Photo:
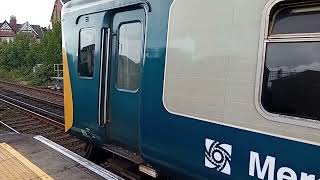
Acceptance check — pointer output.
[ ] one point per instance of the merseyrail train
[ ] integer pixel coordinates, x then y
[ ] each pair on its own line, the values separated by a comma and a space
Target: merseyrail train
191, 89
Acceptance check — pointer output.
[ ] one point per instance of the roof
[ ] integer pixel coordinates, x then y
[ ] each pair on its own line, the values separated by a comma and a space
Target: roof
36, 28
5, 21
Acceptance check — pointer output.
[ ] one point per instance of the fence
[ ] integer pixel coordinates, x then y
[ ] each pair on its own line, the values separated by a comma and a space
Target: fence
58, 70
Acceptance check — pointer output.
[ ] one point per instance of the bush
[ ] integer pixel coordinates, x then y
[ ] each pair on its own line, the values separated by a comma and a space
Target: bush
43, 74
17, 58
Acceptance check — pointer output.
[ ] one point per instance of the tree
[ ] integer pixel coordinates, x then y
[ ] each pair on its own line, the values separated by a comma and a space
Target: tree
51, 45
21, 55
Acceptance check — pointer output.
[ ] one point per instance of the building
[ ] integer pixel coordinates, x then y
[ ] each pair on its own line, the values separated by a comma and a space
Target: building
56, 13
9, 30
296, 91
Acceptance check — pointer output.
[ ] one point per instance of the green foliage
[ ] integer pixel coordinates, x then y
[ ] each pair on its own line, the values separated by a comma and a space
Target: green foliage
42, 75
51, 45
18, 57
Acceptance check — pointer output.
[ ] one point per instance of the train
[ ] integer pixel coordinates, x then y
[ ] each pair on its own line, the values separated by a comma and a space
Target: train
189, 89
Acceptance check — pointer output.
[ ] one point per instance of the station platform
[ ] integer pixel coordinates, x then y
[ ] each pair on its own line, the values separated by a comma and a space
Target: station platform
35, 157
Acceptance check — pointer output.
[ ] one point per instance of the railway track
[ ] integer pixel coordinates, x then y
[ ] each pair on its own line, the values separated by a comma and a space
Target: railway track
21, 112
34, 104
30, 114
16, 118
19, 120
49, 95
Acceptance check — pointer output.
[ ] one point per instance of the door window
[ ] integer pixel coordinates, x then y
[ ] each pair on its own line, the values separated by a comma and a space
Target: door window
87, 50
129, 56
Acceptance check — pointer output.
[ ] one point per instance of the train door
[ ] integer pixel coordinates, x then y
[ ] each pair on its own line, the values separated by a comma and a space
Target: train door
85, 74
127, 42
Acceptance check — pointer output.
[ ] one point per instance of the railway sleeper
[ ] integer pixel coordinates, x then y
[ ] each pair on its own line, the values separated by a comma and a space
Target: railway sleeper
62, 141
8, 113
18, 119
61, 137
70, 141
52, 124
80, 146
20, 123
29, 127
53, 133
36, 99
30, 131
23, 126
41, 130
77, 147
44, 133
23, 123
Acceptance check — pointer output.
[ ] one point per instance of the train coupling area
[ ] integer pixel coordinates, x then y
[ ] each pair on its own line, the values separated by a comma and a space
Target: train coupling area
35, 157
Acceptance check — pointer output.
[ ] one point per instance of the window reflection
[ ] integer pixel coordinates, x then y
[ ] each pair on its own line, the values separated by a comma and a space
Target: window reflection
297, 20
87, 50
129, 56
292, 79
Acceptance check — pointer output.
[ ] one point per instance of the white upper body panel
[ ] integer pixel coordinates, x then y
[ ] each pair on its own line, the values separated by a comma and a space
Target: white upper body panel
213, 66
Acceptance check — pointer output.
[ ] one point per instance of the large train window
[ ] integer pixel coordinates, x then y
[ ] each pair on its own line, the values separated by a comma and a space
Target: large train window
86, 55
291, 79
129, 56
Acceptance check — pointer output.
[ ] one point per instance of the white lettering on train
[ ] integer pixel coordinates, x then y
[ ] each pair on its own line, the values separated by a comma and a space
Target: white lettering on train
267, 171
267, 166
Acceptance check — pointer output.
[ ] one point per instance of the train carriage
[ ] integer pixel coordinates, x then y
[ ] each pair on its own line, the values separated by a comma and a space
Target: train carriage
197, 89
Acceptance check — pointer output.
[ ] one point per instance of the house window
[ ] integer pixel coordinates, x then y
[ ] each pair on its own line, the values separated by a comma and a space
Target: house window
291, 79
87, 53
129, 56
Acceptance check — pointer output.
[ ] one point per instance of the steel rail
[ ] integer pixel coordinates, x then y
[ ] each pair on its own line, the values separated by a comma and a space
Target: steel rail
35, 98
58, 119
32, 88
59, 147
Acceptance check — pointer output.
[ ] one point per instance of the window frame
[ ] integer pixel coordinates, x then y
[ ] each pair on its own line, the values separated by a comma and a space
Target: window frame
265, 38
141, 55
290, 35
79, 50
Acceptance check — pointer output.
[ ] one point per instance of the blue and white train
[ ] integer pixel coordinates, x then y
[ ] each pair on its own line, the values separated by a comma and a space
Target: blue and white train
197, 89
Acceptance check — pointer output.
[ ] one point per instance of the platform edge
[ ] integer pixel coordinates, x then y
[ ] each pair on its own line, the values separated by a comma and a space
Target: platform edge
82, 161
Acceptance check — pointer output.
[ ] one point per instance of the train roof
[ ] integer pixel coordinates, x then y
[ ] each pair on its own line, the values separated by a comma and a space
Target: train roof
72, 3
88, 6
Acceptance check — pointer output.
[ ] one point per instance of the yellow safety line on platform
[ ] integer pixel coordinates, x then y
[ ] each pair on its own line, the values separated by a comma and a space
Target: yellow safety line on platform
35, 169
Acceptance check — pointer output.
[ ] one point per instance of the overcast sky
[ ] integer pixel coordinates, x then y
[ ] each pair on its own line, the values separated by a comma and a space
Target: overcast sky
36, 12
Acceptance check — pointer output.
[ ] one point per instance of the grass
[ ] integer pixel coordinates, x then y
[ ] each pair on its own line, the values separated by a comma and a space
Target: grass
24, 76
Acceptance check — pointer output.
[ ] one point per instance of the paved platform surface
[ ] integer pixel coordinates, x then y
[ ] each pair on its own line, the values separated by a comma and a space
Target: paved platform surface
25, 157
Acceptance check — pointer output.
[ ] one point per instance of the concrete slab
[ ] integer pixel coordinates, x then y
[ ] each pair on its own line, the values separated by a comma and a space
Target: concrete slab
28, 157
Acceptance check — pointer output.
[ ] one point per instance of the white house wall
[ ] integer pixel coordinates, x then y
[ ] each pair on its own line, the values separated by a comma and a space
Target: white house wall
5, 26
27, 28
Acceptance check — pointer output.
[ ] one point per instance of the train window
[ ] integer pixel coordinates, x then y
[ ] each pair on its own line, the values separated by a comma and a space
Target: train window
291, 79
296, 20
129, 56
87, 51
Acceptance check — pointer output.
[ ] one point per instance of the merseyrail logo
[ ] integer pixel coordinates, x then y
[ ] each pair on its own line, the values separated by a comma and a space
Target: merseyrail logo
218, 156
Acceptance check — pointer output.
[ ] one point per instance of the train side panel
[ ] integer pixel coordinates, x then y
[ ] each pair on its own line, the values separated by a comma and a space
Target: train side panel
200, 115
208, 101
